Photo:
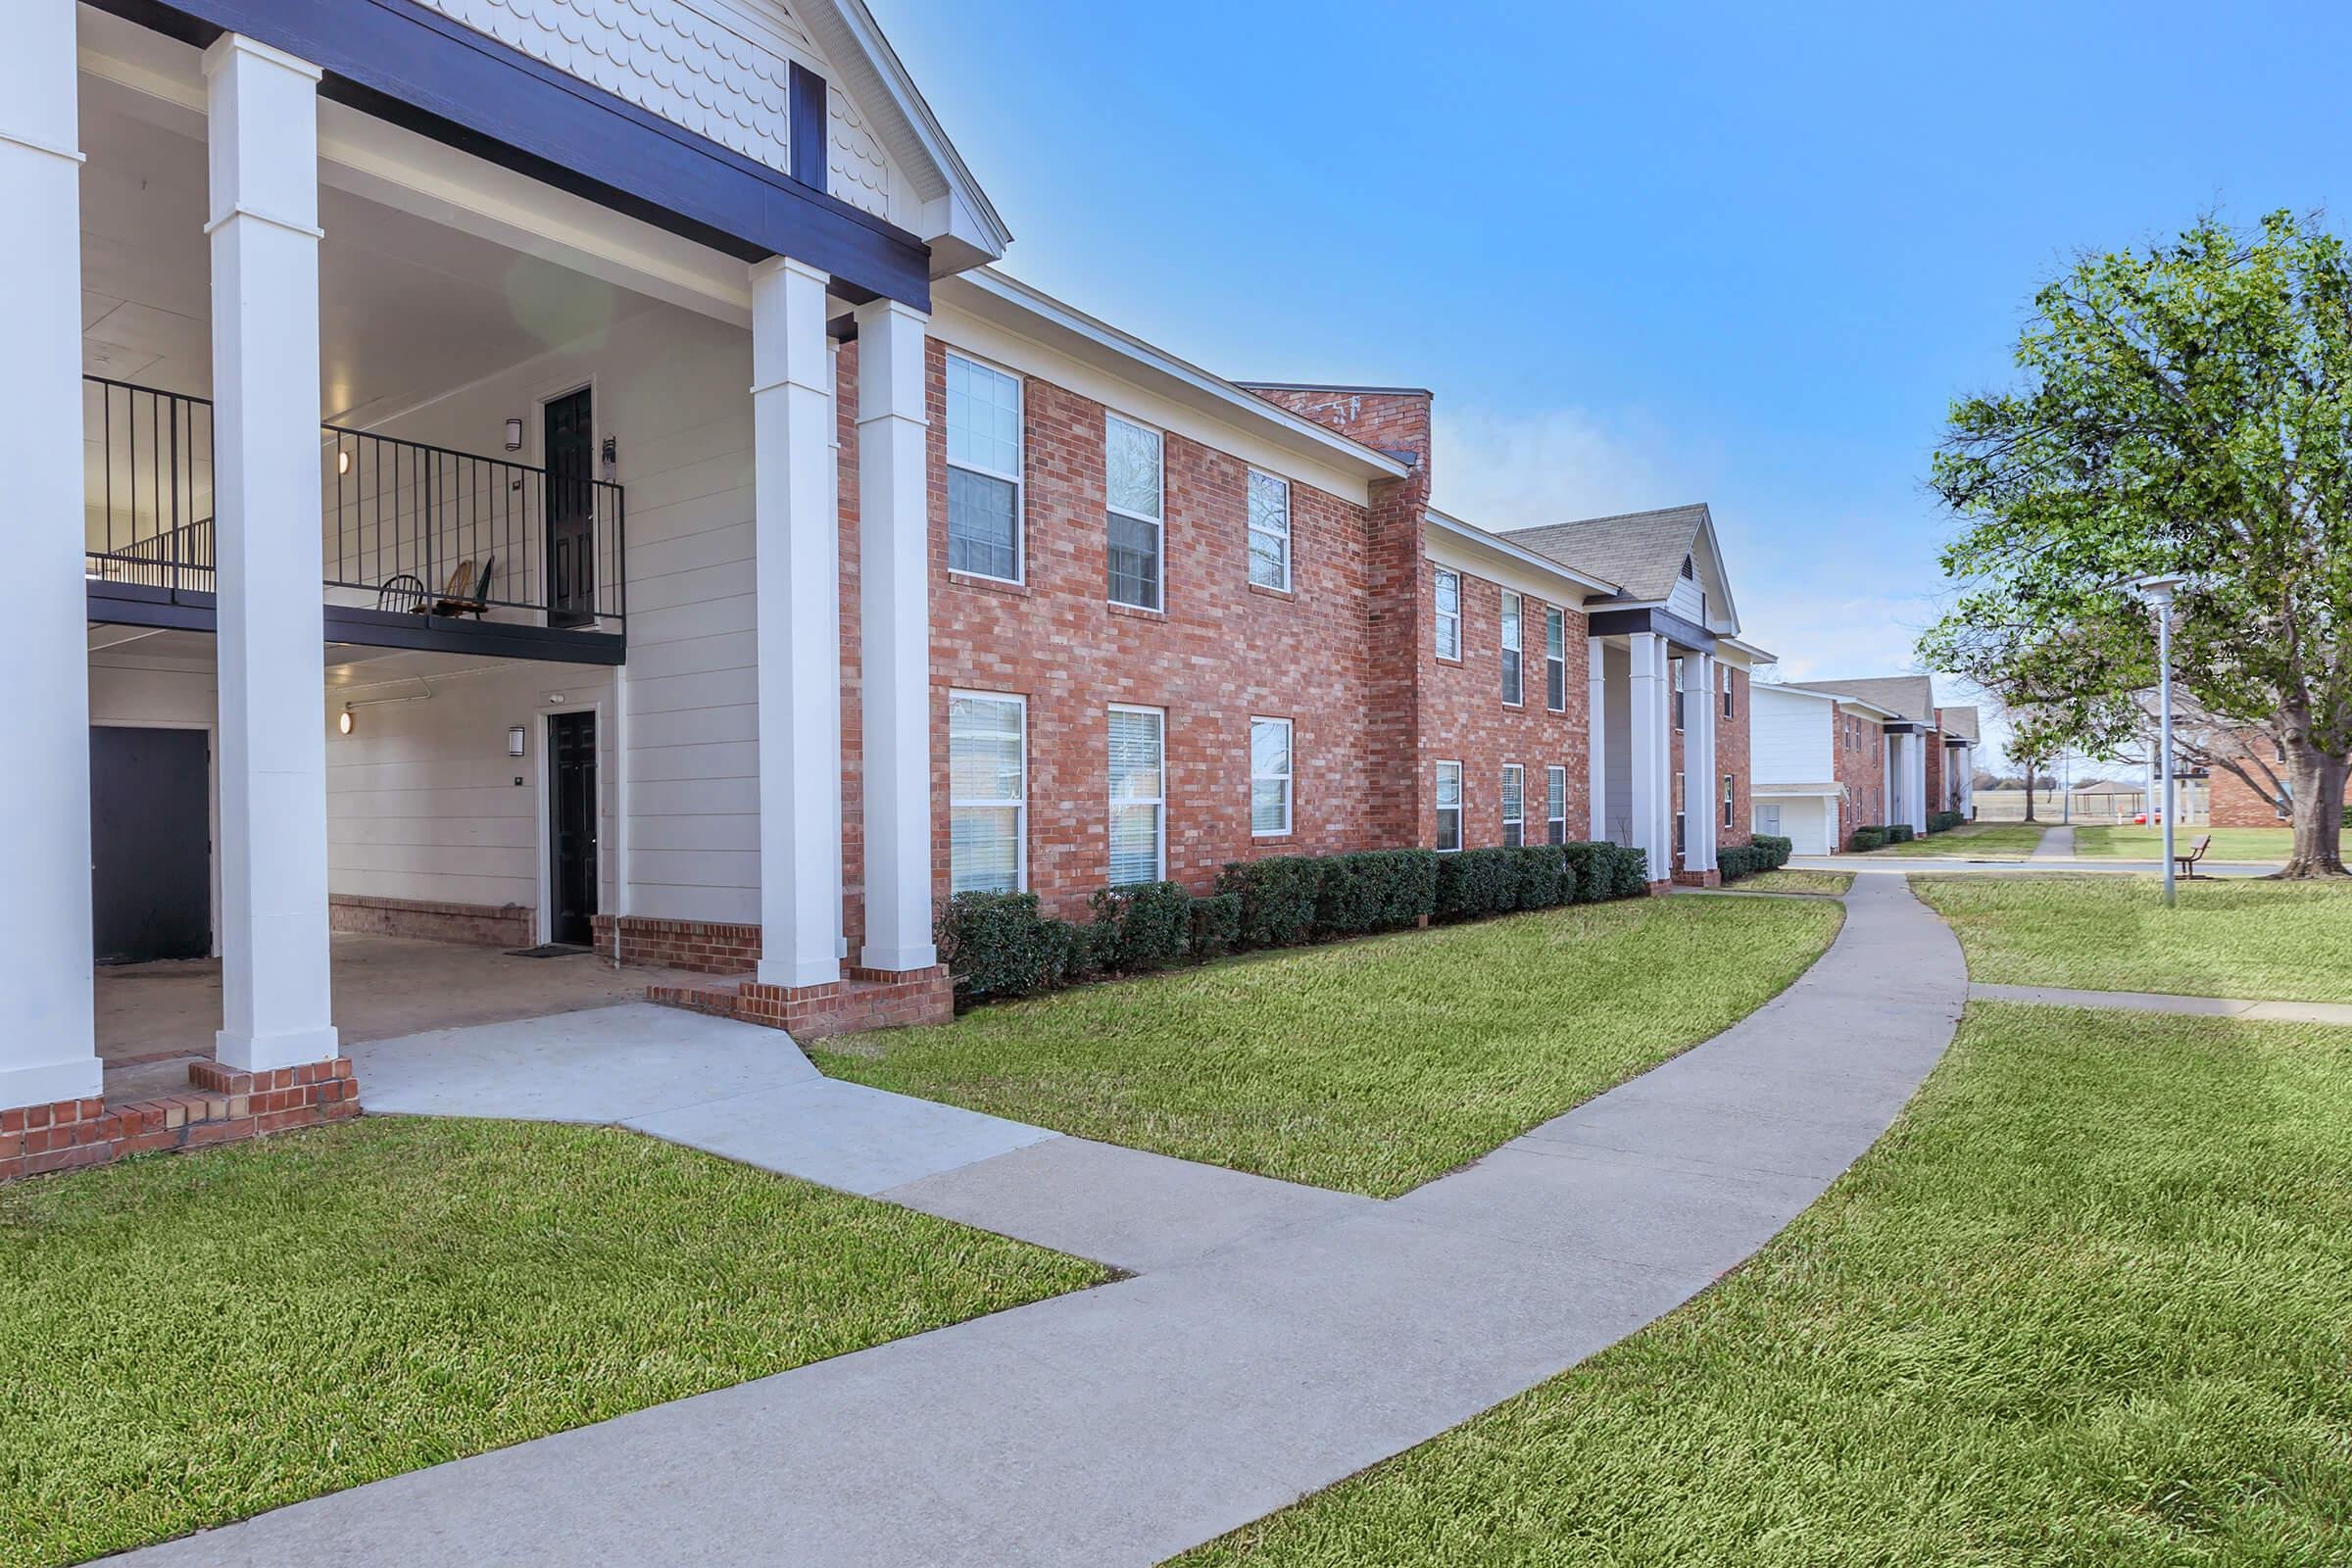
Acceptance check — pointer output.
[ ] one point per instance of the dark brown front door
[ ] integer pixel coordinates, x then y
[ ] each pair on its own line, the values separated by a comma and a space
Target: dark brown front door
151, 851
571, 827
571, 433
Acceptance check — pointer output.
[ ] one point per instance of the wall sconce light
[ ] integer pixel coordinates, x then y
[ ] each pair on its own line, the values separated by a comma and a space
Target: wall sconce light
342, 461
515, 740
344, 721
514, 435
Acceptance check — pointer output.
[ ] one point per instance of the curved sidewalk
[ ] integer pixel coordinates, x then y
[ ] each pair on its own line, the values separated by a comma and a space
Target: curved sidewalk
1277, 1340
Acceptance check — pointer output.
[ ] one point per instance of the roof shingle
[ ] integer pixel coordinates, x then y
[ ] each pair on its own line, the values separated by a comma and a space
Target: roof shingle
1642, 551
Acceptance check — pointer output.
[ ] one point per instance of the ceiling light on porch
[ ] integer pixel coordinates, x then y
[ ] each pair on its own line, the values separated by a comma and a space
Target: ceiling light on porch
343, 460
344, 721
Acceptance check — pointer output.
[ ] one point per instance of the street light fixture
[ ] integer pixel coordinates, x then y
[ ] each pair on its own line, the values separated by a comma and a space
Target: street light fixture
2159, 592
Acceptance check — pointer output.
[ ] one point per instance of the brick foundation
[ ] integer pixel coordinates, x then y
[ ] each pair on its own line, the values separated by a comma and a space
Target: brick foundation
220, 1106
506, 925
867, 999
698, 947
1698, 879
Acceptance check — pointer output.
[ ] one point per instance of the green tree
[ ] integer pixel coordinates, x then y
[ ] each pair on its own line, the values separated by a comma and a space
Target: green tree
2187, 409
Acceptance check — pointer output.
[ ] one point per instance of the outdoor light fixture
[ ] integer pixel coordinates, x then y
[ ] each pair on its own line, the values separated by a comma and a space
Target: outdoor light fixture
514, 435
342, 461
2159, 592
515, 740
344, 719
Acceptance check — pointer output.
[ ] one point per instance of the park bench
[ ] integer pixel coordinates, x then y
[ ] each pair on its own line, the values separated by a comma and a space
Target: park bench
2187, 858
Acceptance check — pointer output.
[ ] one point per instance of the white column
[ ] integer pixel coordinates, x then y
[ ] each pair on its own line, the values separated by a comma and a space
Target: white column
1652, 741
1701, 795
1596, 739
47, 1049
894, 618
796, 537
263, 132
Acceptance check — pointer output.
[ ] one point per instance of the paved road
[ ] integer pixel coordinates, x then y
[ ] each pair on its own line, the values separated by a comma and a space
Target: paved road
1274, 1340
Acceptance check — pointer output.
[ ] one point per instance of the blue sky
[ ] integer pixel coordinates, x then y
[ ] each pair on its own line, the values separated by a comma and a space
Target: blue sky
1643, 254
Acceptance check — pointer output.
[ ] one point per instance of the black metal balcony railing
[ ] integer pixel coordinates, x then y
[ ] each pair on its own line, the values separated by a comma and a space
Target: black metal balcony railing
405, 526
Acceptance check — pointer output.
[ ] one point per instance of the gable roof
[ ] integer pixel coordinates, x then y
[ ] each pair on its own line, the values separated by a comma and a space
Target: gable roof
1961, 722
1643, 550
1911, 697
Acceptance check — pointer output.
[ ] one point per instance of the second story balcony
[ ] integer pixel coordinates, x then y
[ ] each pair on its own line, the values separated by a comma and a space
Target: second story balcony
422, 546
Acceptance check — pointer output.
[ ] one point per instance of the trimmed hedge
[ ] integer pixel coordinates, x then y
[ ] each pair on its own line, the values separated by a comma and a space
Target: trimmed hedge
1003, 944
1945, 821
1376, 890
1899, 833
1865, 839
1776, 848
1736, 860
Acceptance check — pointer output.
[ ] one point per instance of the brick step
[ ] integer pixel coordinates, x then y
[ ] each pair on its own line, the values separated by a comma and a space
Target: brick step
220, 1105
865, 999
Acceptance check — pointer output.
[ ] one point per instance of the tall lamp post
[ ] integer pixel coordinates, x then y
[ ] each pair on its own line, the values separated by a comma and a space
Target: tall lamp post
2159, 591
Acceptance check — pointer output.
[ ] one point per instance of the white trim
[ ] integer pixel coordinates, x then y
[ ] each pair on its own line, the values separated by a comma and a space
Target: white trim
1159, 523
1159, 802
1020, 807
1552, 771
35, 144
1511, 611
1018, 478
1440, 616
1555, 615
1289, 778
1549, 570
1514, 771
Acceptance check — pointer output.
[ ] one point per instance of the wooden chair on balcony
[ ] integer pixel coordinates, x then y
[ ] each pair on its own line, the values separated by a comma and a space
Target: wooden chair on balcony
467, 593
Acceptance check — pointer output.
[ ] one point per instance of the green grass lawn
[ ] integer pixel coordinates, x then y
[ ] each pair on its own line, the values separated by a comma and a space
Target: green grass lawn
1372, 1065
1787, 881
1974, 841
2284, 941
2147, 842
192, 1338
2087, 1303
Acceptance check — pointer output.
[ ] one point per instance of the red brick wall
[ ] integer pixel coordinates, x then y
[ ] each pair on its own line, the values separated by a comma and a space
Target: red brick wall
1730, 756
2234, 805
1222, 652
1934, 771
1863, 772
1464, 719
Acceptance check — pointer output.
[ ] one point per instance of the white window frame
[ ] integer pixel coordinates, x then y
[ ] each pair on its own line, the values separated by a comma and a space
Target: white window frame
1555, 620
1159, 867
1288, 777
1019, 804
1020, 488
1678, 699
1515, 782
1439, 795
1160, 524
1512, 618
1728, 793
1727, 691
1555, 788
1447, 620
1286, 534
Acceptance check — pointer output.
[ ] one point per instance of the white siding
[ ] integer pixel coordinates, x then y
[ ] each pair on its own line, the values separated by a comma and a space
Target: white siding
1804, 820
1789, 736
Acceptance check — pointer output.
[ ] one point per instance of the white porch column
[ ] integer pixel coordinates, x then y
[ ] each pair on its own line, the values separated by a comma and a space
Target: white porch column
47, 1050
1702, 799
797, 539
893, 603
1652, 741
263, 133
1596, 738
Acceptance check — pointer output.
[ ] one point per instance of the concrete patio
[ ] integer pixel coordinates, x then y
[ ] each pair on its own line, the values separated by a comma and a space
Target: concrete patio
154, 1018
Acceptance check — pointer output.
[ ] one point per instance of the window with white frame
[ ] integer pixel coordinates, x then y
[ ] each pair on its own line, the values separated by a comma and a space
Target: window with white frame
1269, 777
1514, 805
1727, 799
1131, 458
1450, 613
1555, 660
1511, 692
1450, 806
1138, 799
1677, 694
1269, 531
1556, 805
1726, 670
988, 792
984, 470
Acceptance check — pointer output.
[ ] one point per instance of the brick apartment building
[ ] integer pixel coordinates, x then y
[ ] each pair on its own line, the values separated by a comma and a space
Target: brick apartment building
1835, 756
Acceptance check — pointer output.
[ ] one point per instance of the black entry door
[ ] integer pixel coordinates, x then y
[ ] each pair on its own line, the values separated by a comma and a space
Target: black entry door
570, 510
571, 826
151, 851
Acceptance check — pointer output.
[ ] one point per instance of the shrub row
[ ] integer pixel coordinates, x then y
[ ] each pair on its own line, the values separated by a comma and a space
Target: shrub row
1865, 839
1945, 821
1002, 945
1766, 852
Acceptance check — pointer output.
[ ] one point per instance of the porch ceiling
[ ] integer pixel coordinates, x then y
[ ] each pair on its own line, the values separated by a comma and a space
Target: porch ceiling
350, 667
409, 309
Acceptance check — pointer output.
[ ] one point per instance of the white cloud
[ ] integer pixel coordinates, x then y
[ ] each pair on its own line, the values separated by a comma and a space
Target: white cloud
1523, 469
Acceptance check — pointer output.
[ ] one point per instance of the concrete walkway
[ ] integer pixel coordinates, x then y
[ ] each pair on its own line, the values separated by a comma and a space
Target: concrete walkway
1275, 1339
2164, 1001
2057, 844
